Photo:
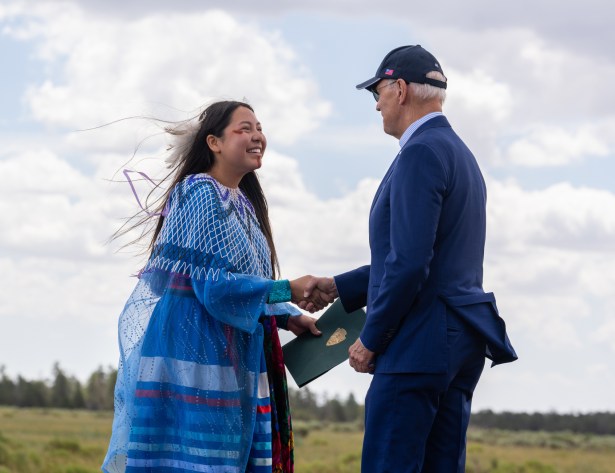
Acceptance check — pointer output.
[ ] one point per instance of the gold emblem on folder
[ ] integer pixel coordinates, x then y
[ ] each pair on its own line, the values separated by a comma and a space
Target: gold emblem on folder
338, 337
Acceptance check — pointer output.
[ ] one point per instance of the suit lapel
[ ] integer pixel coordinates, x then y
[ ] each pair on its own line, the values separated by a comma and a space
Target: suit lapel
385, 179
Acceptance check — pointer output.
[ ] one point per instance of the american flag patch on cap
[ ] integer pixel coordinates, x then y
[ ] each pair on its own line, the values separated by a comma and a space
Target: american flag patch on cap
388, 72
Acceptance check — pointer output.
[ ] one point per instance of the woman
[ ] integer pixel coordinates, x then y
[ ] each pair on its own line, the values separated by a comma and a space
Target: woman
201, 383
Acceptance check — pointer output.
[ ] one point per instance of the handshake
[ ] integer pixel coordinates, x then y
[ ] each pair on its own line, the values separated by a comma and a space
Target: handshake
313, 293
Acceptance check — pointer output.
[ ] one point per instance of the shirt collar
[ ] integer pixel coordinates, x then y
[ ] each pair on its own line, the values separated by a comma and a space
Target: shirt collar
414, 126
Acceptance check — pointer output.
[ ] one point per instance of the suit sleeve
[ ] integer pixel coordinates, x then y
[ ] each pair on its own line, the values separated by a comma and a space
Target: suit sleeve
352, 288
418, 186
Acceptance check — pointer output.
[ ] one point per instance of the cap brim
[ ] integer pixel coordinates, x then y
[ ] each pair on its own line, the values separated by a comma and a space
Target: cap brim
368, 83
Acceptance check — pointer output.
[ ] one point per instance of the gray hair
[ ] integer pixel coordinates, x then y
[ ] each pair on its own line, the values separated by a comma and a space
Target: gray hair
429, 92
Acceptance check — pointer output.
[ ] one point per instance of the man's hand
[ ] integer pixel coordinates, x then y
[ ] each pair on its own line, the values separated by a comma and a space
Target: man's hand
312, 293
361, 359
303, 323
315, 285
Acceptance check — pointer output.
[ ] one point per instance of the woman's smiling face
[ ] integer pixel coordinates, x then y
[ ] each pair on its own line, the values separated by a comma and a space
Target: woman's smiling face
241, 147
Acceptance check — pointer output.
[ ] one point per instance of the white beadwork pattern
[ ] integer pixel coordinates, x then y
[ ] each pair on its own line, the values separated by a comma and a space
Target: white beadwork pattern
230, 234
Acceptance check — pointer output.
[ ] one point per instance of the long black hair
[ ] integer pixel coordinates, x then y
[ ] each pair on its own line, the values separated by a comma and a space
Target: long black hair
199, 158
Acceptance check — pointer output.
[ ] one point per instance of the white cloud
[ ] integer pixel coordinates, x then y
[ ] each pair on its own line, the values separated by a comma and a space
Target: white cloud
606, 332
521, 100
55, 210
180, 60
314, 235
480, 93
58, 265
534, 382
40, 171
561, 216
550, 256
549, 260
553, 146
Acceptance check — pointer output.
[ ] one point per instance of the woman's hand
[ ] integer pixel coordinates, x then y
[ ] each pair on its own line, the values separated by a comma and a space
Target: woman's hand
302, 323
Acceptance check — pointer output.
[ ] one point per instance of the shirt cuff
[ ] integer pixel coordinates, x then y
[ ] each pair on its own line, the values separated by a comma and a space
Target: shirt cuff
280, 292
282, 321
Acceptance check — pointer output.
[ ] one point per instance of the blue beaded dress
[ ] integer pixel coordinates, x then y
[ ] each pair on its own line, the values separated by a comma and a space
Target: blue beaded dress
193, 393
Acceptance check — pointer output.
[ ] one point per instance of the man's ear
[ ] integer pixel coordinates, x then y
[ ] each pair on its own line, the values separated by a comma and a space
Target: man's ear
403, 92
213, 143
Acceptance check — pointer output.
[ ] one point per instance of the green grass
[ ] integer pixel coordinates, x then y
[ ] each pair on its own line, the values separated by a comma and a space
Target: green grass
52, 440
499, 451
64, 441
321, 448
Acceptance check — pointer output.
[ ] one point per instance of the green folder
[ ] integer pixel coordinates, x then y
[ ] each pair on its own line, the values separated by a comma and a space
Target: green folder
307, 357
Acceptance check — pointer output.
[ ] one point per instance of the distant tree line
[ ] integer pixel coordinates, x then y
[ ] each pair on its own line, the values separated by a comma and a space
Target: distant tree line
64, 391
60, 391
599, 423
305, 405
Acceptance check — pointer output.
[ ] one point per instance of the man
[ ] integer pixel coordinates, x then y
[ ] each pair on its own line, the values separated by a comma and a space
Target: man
429, 323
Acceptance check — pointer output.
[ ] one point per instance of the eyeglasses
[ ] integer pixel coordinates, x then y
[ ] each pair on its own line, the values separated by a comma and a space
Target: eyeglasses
376, 91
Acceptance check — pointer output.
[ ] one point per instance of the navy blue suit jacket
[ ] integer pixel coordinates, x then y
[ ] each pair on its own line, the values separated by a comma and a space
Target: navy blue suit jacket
427, 238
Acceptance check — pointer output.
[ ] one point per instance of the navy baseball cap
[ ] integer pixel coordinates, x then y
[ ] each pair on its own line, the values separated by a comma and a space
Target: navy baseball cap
410, 63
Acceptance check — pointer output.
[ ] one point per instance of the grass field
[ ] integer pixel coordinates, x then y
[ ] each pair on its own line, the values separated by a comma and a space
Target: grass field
63, 441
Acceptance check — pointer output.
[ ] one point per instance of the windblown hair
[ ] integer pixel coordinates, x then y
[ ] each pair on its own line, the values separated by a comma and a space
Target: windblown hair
190, 154
426, 92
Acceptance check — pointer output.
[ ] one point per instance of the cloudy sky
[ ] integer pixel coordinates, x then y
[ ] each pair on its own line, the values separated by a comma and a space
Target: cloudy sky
529, 91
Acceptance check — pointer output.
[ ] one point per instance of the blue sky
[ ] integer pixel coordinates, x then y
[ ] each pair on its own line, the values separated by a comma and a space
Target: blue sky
529, 93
